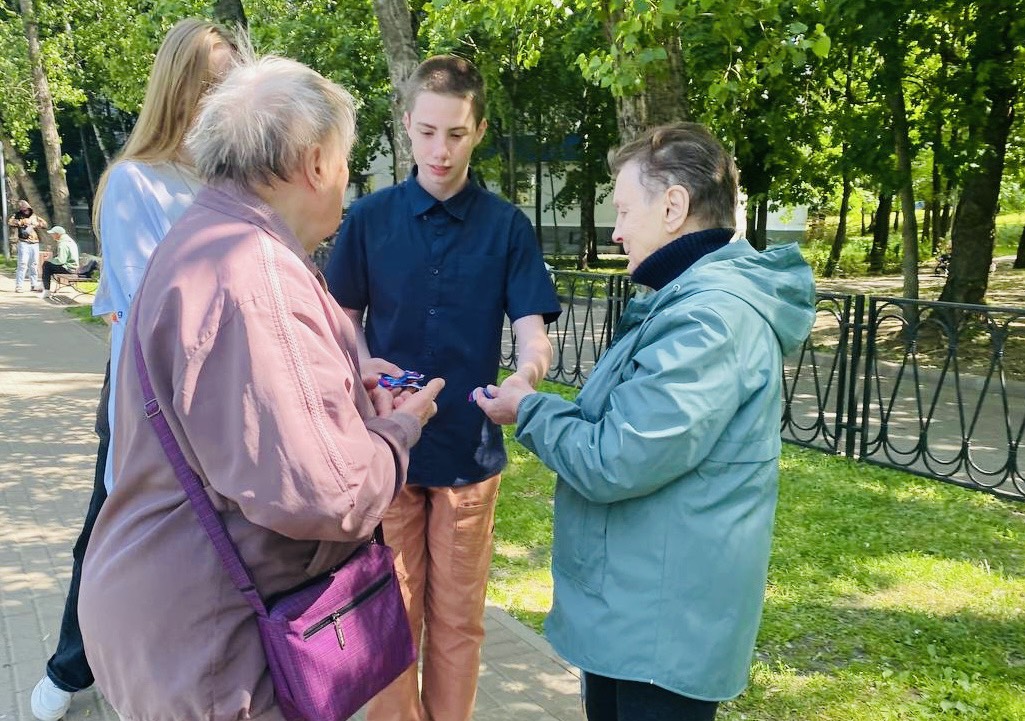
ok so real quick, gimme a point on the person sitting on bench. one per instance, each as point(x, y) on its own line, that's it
point(65, 257)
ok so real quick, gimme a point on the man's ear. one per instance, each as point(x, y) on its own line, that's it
point(406, 122)
point(482, 128)
point(677, 200)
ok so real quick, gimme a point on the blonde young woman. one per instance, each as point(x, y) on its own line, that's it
point(140, 196)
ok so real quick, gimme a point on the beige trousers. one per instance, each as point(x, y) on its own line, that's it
point(442, 538)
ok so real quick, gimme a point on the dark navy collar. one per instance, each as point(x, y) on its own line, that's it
point(674, 257)
point(420, 201)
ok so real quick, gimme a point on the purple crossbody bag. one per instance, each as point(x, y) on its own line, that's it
point(333, 642)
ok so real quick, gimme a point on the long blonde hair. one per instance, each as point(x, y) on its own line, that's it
point(180, 77)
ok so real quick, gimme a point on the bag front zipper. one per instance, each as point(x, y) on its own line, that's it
point(335, 619)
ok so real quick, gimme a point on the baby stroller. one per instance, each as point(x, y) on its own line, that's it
point(942, 265)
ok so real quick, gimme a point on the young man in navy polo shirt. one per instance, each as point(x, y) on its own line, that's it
point(437, 262)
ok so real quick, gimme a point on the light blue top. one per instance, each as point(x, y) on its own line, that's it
point(667, 466)
point(140, 204)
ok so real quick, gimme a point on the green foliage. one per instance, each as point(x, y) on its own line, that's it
point(339, 39)
point(18, 113)
point(525, 51)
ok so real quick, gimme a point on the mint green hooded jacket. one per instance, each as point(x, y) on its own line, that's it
point(667, 468)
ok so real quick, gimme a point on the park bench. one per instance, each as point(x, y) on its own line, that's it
point(73, 280)
point(68, 280)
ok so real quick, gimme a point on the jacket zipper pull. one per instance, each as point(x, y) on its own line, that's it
point(337, 621)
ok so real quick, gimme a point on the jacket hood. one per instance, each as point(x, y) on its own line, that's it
point(777, 283)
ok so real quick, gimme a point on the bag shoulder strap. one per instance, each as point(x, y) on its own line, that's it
point(209, 518)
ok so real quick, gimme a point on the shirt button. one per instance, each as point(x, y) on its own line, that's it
point(432, 311)
point(439, 231)
point(434, 271)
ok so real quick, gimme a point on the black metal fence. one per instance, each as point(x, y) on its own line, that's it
point(936, 389)
point(591, 307)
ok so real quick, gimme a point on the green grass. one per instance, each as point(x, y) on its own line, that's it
point(85, 314)
point(890, 596)
point(853, 256)
point(604, 264)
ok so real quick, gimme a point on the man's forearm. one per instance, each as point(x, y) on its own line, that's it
point(533, 349)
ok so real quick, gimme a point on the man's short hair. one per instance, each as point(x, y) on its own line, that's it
point(447, 75)
point(685, 154)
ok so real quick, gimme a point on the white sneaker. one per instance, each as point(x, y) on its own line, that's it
point(46, 294)
point(49, 703)
point(18, 289)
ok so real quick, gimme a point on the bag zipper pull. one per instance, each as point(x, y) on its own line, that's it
point(336, 619)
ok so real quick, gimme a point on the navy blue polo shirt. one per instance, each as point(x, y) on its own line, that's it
point(437, 279)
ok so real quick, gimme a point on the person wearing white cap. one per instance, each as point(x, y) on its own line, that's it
point(65, 257)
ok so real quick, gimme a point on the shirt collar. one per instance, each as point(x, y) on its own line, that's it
point(420, 201)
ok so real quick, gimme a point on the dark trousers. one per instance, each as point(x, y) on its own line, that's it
point(609, 699)
point(50, 269)
point(68, 668)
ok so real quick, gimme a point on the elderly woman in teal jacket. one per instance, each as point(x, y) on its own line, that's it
point(667, 461)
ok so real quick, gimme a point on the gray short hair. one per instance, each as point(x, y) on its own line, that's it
point(257, 124)
point(685, 154)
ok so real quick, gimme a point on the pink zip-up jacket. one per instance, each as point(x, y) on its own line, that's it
point(252, 362)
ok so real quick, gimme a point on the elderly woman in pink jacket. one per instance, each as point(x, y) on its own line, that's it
point(254, 366)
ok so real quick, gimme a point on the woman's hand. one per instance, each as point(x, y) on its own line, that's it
point(501, 402)
point(422, 405)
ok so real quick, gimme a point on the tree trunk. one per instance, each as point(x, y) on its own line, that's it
point(557, 250)
point(511, 167)
point(763, 224)
point(231, 13)
point(403, 56)
point(880, 233)
point(6, 194)
point(85, 159)
point(1019, 260)
point(96, 133)
point(751, 222)
point(22, 180)
point(946, 215)
point(974, 232)
point(841, 227)
point(902, 145)
point(661, 100)
point(47, 123)
point(926, 221)
point(588, 233)
point(538, 199)
point(937, 189)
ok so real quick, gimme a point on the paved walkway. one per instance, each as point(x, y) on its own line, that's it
point(51, 369)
